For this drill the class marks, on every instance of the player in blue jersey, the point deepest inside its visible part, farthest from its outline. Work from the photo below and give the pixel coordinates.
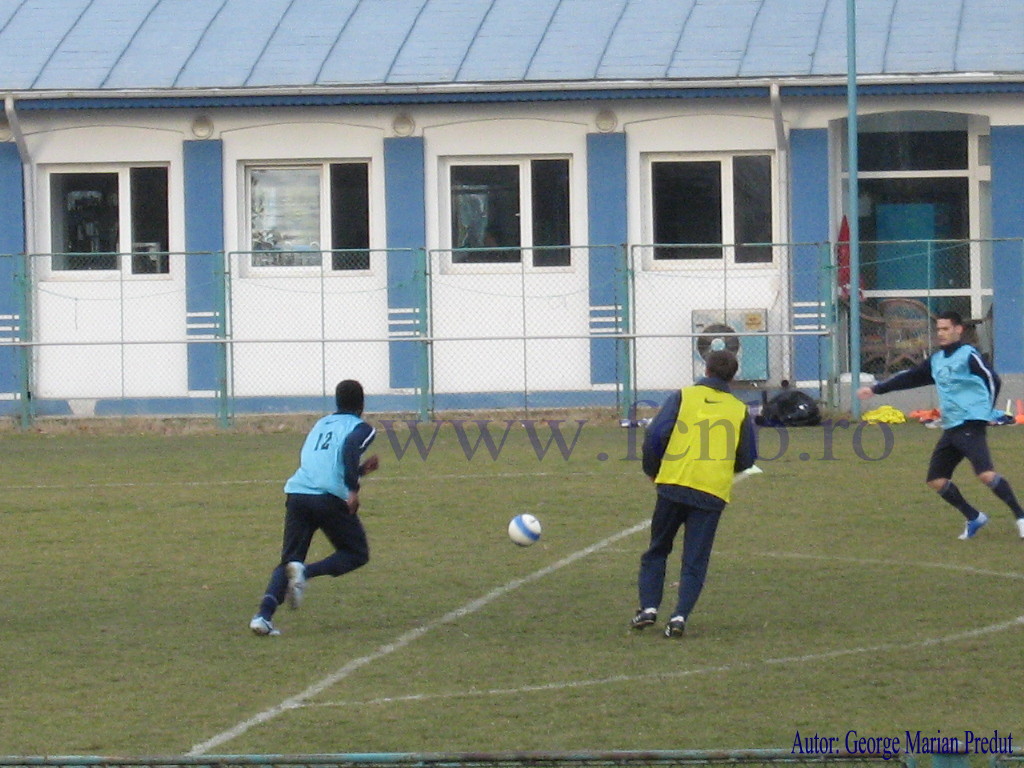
(323, 494)
(967, 389)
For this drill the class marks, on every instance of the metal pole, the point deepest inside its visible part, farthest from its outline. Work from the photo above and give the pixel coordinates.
(626, 348)
(852, 203)
(424, 288)
(23, 281)
(224, 388)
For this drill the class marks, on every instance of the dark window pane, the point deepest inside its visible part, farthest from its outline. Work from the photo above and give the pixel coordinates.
(687, 199)
(485, 213)
(900, 220)
(350, 216)
(84, 220)
(752, 208)
(912, 151)
(149, 221)
(550, 180)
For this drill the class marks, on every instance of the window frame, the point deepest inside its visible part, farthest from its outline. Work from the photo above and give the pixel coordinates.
(976, 172)
(727, 202)
(125, 255)
(325, 215)
(526, 261)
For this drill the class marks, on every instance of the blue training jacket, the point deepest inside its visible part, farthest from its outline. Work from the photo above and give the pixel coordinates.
(967, 386)
(329, 460)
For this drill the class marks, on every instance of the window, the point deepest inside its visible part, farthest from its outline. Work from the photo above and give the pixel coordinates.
(88, 219)
(293, 210)
(699, 205)
(499, 209)
(915, 191)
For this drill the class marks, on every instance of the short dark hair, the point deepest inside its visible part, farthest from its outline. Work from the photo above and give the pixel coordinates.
(953, 317)
(722, 364)
(348, 396)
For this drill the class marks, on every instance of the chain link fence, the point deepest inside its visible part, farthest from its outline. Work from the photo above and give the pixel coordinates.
(517, 329)
(905, 285)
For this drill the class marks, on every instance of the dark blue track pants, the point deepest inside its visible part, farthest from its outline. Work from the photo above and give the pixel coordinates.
(699, 526)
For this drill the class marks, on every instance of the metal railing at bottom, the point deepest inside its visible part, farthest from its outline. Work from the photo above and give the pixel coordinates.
(754, 758)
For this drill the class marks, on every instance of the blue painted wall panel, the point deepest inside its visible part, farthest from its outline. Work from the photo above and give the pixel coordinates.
(1008, 257)
(405, 207)
(606, 201)
(12, 242)
(204, 241)
(810, 221)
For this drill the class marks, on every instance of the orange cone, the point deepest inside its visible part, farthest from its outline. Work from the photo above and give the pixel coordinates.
(1019, 418)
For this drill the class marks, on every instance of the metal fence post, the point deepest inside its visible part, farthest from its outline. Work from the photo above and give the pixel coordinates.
(422, 293)
(626, 344)
(830, 317)
(224, 403)
(23, 283)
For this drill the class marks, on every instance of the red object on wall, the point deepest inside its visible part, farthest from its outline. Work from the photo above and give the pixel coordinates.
(843, 262)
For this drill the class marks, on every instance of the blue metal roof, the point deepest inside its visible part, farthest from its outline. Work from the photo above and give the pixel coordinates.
(188, 45)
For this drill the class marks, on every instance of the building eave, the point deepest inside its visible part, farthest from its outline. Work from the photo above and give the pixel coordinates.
(496, 92)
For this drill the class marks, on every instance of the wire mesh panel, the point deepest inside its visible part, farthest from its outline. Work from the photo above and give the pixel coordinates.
(296, 330)
(905, 285)
(114, 331)
(472, 329)
(684, 308)
(512, 328)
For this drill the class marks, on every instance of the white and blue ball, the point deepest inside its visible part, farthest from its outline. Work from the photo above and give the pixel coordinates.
(524, 530)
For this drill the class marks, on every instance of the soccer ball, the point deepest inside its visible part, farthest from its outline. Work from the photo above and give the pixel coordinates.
(524, 530)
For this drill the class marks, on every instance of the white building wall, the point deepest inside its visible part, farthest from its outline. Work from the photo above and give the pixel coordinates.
(480, 301)
(471, 302)
(86, 307)
(271, 305)
(669, 292)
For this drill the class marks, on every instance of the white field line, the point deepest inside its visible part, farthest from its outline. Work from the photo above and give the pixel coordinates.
(300, 699)
(968, 569)
(662, 676)
(209, 483)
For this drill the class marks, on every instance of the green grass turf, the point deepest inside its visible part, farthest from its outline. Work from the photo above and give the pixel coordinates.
(838, 598)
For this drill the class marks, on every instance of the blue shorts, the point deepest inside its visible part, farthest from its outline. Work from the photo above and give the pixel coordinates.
(966, 441)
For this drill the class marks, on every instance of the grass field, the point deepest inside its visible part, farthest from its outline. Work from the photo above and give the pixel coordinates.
(838, 598)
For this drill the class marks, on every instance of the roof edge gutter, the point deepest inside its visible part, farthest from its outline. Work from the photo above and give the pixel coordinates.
(780, 125)
(440, 89)
(15, 123)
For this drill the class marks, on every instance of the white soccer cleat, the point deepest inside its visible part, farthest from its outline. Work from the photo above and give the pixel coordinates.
(296, 572)
(262, 627)
(1020, 527)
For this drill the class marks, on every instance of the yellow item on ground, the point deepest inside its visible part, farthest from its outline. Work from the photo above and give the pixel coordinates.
(885, 414)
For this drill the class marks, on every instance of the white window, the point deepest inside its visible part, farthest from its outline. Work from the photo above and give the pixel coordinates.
(500, 208)
(297, 213)
(921, 209)
(711, 207)
(97, 215)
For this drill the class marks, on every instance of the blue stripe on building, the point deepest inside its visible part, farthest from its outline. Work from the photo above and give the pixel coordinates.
(12, 243)
(808, 150)
(405, 208)
(606, 200)
(1008, 257)
(204, 276)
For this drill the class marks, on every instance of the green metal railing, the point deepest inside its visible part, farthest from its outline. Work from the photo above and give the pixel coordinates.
(755, 758)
